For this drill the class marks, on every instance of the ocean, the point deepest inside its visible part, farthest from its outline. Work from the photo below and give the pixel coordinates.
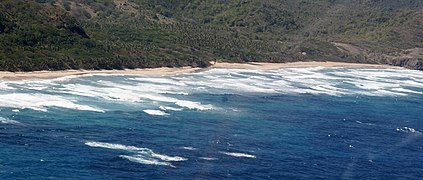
(291, 123)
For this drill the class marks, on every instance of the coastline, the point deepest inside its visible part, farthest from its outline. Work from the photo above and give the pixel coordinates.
(299, 64)
(173, 71)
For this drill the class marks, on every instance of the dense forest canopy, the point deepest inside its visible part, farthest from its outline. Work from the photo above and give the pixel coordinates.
(117, 34)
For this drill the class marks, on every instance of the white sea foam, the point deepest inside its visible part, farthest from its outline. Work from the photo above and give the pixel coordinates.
(40, 102)
(155, 112)
(119, 92)
(170, 93)
(407, 129)
(193, 105)
(156, 97)
(70, 77)
(406, 91)
(114, 146)
(327, 89)
(108, 93)
(319, 80)
(144, 160)
(165, 157)
(4, 86)
(148, 87)
(181, 103)
(159, 80)
(37, 87)
(370, 124)
(8, 121)
(189, 148)
(290, 80)
(141, 155)
(238, 154)
(167, 108)
(134, 148)
(208, 158)
(388, 93)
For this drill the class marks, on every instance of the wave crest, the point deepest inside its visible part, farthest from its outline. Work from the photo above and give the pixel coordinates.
(407, 129)
(8, 121)
(140, 155)
(234, 154)
(40, 102)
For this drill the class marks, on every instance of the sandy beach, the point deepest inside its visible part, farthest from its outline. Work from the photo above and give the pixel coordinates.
(56, 74)
(270, 66)
(172, 71)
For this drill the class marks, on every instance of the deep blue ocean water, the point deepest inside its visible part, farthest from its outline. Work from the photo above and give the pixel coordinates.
(294, 123)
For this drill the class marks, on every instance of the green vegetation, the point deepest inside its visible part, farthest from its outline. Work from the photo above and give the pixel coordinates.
(116, 34)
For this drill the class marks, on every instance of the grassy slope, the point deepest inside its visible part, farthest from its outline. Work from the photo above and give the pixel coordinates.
(40, 37)
(152, 33)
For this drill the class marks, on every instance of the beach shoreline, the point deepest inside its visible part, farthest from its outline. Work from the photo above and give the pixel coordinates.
(163, 71)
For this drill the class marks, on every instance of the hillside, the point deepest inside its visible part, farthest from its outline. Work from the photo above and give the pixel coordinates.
(116, 34)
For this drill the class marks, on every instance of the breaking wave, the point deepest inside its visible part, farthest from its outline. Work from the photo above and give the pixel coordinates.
(208, 158)
(407, 129)
(155, 112)
(189, 148)
(8, 121)
(167, 94)
(145, 160)
(139, 155)
(238, 154)
(40, 102)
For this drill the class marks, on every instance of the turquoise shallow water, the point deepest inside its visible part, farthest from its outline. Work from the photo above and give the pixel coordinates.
(295, 123)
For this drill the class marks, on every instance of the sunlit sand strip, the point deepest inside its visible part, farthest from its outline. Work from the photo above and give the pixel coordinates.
(172, 71)
(270, 66)
(57, 74)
